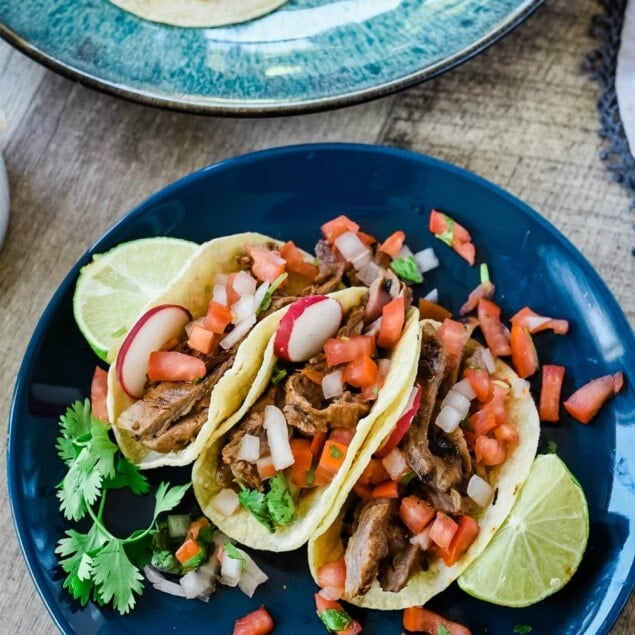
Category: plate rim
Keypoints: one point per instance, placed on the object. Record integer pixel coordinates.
(20, 392)
(243, 108)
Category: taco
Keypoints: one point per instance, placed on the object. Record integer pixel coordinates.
(323, 409)
(233, 288)
(433, 483)
(199, 13)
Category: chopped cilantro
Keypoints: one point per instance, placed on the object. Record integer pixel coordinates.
(99, 565)
(335, 452)
(255, 502)
(552, 447)
(407, 269)
(233, 553)
(448, 235)
(310, 477)
(442, 630)
(279, 500)
(280, 371)
(484, 271)
(266, 301)
(521, 629)
(335, 620)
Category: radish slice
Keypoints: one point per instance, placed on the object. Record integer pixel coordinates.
(149, 333)
(304, 328)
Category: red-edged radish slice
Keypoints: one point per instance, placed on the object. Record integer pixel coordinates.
(308, 323)
(149, 333)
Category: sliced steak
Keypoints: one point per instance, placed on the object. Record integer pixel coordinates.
(162, 405)
(330, 270)
(403, 560)
(368, 545)
(179, 435)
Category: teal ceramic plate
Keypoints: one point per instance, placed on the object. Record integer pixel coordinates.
(308, 55)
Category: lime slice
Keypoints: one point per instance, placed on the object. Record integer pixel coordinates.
(114, 287)
(539, 546)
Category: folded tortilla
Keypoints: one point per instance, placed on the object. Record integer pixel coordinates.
(317, 504)
(327, 546)
(192, 289)
(199, 13)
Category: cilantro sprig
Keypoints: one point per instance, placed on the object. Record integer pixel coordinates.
(99, 565)
(276, 507)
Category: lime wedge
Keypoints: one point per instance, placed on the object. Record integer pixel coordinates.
(114, 287)
(539, 546)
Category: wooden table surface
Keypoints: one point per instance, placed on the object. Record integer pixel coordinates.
(522, 115)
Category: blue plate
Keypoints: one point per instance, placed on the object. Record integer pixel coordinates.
(307, 55)
(288, 193)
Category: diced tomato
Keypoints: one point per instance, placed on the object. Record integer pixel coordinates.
(174, 366)
(549, 405)
(421, 620)
(454, 336)
(416, 513)
(432, 311)
(258, 622)
(217, 318)
(387, 489)
(267, 264)
(507, 434)
(452, 234)
(442, 530)
(483, 420)
(535, 323)
(524, 355)
(98, 392)
(367, 239)
(393, 244)
(332, 574)
(302, 478)
(341, 351)
(480, 381)
(365, 492)
(489, 451)
(338, 226)
(314, 375)
(317, 443)
(361, 372)
(188, 550)
(374, 473)
(323, 604)
(196, 526)
(483, 290)
(331, 459)
(493, 330)
(465, 535)
(353, 628)
(586, 401)
(296, 261)
(265, 467)
(202, 340)
(301, 450)
(342, 435)
(402, 425)
(392, 321)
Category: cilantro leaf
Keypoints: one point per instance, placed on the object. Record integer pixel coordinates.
(167, 498)
(407, 269)
(76, 421)
(442, 630)
(127, 475)
(279, 500)
(116, 578)
(335, 620)
(280, 371)
(522, 629)
(256, 503)
(266, 300)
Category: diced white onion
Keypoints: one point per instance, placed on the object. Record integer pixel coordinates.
(534, 322)
(427, 259)
(370, 272)
(248, 584)
(252, 575)
(383, 365)
(243, 309)
(395, 464)
(249, 449)
(194, 585)
(448, 419)
(464, 387)
(226, 501)
(422, 539)
(458, 402)
(278, 438)
(261, 292)
(404, 252)
(350, 246)
(238, 332)
(360, 261)
(230, 570)
(163, 584)
(520, 387)
(432, 296)
(488, 360)
(244, 283)
(332, 384)
(219, 294)
(480, 491)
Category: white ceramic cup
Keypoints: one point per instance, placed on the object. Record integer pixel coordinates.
(4, 201)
